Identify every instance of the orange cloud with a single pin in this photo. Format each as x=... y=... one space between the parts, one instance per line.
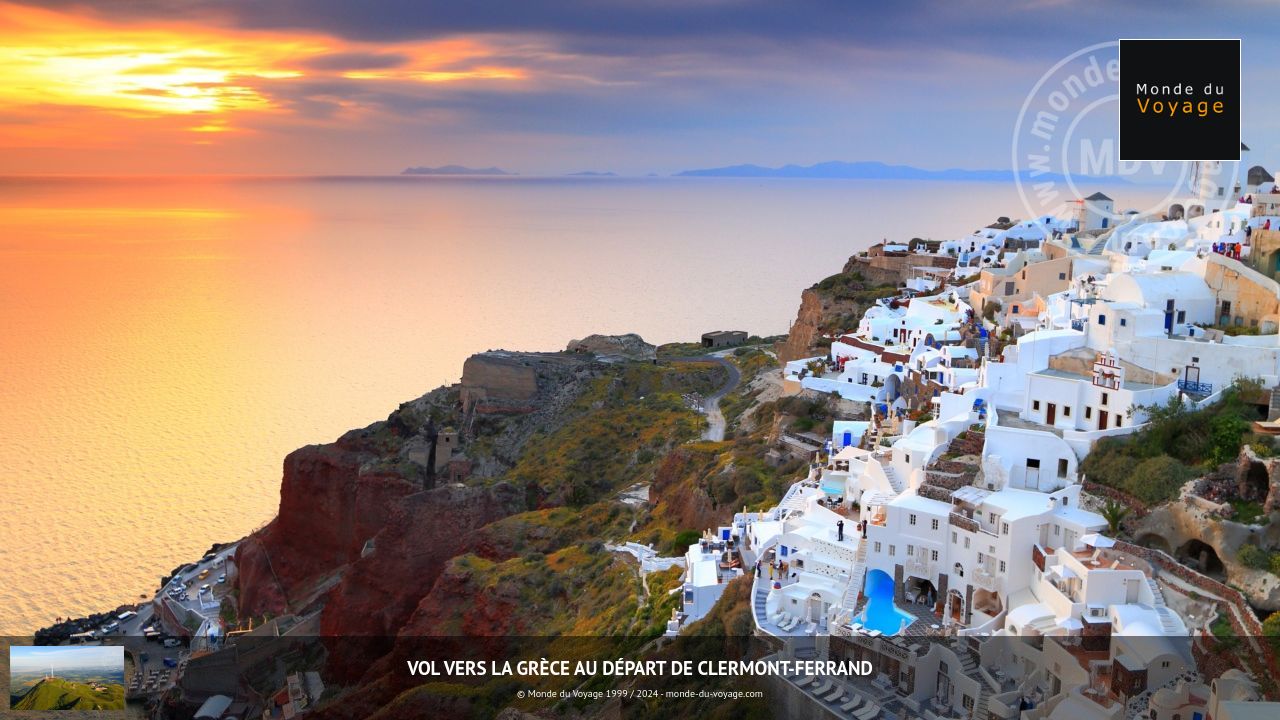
x=51 y=60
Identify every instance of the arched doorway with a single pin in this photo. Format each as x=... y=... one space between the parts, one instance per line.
x=815 y=609
x=1201 y=556
x=955 y=602
x=1155 y=541
x=921 y=591
x=1176 y=211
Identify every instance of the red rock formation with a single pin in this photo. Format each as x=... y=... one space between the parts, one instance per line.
x=330 y=505
x=379 y=592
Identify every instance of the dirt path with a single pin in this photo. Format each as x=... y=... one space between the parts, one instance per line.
x=711 y=403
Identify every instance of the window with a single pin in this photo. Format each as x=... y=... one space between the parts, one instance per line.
x=1066 y=411
x=912 y=519
x=1062 y=276
x=1004 y=528
x=953 y=537
x=933 y=555
x=1015 y=310
x=877 y=546
x=1062 y=467
x=1182 y=317
x=1035 y=405
x=966 y=543
x=893 y=550
x=1057 y=530
x=1033 y=463
x=1105 y=397
x=911 y=551
x=1102 y=319
x=1002 y=567
x=1088 y=412
x=934 y=523
x=1118 y=419
x=1124 y=321
x=1008 y=288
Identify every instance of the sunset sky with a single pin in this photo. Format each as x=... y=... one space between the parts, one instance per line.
x=336 y=86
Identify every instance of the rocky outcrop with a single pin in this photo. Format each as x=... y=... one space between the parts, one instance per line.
x=1197 y=537
x=835 y=305
x=615 y=347
x=333 y=498
x=380 y=591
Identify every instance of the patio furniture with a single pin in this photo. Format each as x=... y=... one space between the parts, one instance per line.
x=855 y=702
x=824 y=686
x=868 y=712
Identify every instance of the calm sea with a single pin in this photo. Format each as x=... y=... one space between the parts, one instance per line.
x=165 y=342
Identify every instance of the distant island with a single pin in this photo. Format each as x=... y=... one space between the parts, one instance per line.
x=453 y=170
x=871 y=170
x=591 y=173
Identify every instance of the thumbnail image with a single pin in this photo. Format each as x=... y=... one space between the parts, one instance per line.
x=66 y=678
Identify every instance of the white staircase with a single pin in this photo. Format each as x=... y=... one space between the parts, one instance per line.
x=1156 y=593
x=1169 y=622
x=849 y=603
x=894 y=481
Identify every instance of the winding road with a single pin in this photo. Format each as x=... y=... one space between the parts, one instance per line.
x=711 y=403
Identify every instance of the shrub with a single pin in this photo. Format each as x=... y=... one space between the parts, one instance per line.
x=683 y=540
x=1254 y=557
x=1157 y=479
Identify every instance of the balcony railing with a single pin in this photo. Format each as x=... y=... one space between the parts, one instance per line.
x=1195 y=388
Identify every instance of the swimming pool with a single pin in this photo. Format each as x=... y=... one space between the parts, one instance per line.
x=880 y=613
x=833 y=487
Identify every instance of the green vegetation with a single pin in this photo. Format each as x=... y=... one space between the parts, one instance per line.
x=682 y=541
x=59 y=694
x=622 y=424
x=1271 y=628
x=1247 y=512
x=1177 y=443
x=1234 y=330
x=853 y=286
x=1114 y=513
x=808 y=415
x=1259 y=559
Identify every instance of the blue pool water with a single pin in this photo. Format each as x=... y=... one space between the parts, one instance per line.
x=833 y=487
x=880 y=613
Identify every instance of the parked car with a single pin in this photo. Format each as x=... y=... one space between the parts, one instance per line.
x=172 y=642
x=222 y=578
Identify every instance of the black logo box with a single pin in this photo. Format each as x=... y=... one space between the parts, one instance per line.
x=1180 y=65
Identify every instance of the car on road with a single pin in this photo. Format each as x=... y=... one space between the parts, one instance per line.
x=171 y=642
x=206 y=588
x=203 y=574
x=110 y=627
x=222 y=578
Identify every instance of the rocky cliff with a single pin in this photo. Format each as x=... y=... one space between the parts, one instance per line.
x=835 y=305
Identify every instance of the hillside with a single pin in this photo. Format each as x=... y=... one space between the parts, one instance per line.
x=59 y=694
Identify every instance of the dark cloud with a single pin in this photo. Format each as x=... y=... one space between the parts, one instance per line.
x=347 y=61
x=631 y=27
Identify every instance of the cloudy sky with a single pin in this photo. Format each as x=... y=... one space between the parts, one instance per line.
x=539 y=87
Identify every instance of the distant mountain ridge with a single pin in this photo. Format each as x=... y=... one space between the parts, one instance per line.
x=453 y=170
x=873 y=170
